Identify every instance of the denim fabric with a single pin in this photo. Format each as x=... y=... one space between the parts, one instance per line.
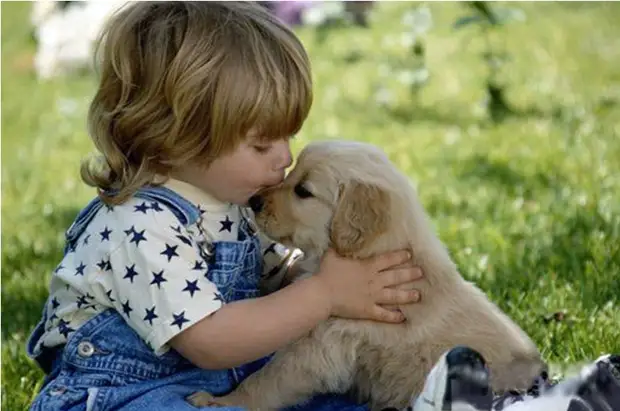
x=105 y=365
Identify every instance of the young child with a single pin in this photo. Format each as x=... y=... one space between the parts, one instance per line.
x=157 y=295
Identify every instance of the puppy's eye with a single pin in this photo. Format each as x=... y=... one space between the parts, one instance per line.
x=302 y=192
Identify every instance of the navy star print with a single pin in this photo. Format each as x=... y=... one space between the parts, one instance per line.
x=179 y=319
x=55 y=303
x=127 y=308
x=150 y=315
x=226 y=225
x=82 y=300
x=158 y=278
x=170 y=251
x=79 y=270
x=109 y=294
x=64 y=329
x=192 y=287
x=185 y=240
x=105 y=234
x=218 y=297
x=104 y=265
x=142 y=208
x=155 y=207
x=130 y=272
x=137 y=237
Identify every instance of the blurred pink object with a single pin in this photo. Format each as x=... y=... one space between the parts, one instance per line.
x=289 y=11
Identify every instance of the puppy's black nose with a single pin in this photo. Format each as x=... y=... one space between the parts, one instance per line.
x=256 y=203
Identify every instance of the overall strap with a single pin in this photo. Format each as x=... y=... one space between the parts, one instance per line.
x=186 y=212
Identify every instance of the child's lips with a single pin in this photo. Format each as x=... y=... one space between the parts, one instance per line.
x=275 y=183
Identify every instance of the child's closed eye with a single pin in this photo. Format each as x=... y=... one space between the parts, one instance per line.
x=262 y=149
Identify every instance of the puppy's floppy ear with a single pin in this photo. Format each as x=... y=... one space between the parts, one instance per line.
x=361 y=216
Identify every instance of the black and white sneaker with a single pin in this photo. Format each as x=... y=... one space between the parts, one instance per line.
x=597 y=388
x=458 y=382
x=540 y=386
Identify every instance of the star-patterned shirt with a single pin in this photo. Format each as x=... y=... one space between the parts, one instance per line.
x=139 y=260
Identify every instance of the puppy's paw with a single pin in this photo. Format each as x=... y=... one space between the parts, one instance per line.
x=233 y=399
x=204 y=399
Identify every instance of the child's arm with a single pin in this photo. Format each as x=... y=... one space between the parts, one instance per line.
x=157 y=280
x=243 y=331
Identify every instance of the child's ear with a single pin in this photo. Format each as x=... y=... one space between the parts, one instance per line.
x=361 y=216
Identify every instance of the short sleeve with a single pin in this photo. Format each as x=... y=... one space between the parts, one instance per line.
x=159 y=282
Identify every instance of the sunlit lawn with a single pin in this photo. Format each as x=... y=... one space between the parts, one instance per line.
x=529 y=208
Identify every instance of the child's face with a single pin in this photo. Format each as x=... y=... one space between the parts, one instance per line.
x=236 y=176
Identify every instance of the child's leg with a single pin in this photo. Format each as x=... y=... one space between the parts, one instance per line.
x=168 y=394
x=540 y=385
x=165 y=398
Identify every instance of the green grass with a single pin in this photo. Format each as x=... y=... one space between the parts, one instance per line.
x=529 y=208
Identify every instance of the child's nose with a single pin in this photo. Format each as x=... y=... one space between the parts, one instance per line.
x=285 y=158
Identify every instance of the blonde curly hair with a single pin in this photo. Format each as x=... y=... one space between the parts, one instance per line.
x=184 y=82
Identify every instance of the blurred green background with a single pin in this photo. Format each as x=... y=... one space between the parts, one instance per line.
x=524 y=191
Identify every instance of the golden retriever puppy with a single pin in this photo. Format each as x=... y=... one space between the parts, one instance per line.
x=349 y=196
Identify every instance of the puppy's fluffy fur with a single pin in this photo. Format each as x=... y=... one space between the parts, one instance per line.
x=361 y=205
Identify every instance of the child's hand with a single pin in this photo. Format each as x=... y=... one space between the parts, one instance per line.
x=356 y=288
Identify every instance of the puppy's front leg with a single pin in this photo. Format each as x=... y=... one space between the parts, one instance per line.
x=294 y=375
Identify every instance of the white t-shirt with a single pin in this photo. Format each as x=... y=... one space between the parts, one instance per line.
x=138 y=259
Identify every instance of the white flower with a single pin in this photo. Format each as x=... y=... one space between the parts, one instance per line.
x=67 y=106
x=417 y=76
x=320 y=13
x=420 y=20
x=483 y=262
x=384 y=96
x=407 y=39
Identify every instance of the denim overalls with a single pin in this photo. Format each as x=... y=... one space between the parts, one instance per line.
x=105 y=365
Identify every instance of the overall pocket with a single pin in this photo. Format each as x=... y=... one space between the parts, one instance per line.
x=71 y=394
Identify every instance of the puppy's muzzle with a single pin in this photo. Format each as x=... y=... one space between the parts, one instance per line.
x=256 y=203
